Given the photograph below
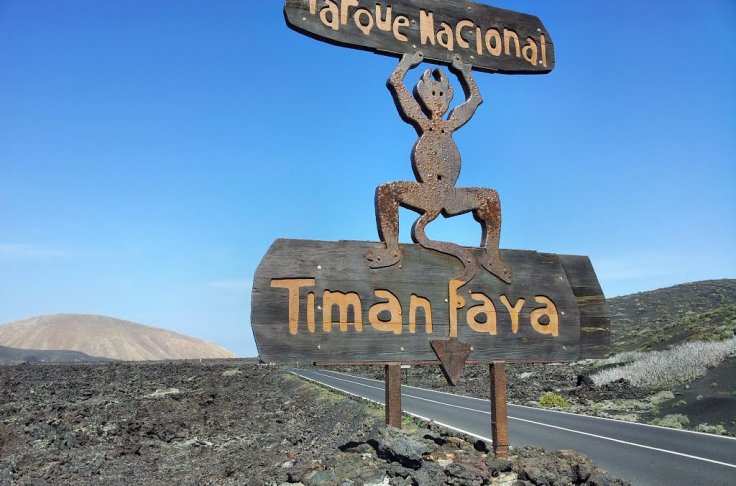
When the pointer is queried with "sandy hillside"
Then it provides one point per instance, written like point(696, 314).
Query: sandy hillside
point(105, 337)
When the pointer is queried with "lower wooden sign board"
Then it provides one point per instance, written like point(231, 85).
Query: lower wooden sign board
point(319, 301)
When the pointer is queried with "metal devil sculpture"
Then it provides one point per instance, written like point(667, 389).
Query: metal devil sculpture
point(436, 164)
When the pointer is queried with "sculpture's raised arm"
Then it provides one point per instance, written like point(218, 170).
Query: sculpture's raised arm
point(462, 113)
point(407, 106)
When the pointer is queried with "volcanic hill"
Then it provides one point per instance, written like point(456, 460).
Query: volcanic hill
point(696, 311)
point(105, 337)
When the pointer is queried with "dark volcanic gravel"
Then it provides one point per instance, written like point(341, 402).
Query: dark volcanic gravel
point(232, 422)
point(526, 383)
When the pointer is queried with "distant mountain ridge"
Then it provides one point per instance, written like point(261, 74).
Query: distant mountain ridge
point(105, 337)
point(704, 310)
point(17, 356)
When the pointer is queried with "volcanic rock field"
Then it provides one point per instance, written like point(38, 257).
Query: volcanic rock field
point(233, 422)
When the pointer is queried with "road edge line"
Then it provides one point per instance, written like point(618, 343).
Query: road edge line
point(682, 454)
point(557, 411)
point(403, 411)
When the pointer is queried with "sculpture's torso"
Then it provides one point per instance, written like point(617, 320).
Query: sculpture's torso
point(436, 158)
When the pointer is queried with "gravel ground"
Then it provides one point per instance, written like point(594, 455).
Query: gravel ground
point(525, 382)
point(233, 422)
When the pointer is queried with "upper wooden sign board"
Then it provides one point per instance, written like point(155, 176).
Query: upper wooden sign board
point(488, 38)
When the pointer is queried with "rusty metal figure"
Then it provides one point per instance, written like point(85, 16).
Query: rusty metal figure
point(436, 165)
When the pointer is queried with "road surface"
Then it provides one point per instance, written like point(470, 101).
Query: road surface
point(641, 454)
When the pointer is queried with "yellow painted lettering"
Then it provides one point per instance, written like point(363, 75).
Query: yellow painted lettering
point(552, 327)
point(486, 307)
point(343, 302)
point(543, 42)
point(392, 306)
point(508, 36)
point(368, 26)
point(293, 285)
point(426, 27)
point(479, 41)
point(457, 302)
point(312, 7)
point(381, 23)
point(530, 51)
point(345, 9)
point(514, 311)
point(494, 47)
point(446, 37)
point(459, 32)
point(330, 15)
point(400, 22)
point(416, 303)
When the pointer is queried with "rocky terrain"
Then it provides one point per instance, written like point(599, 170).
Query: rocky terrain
point(233, 422)
point(19, 356)
point(105, 337)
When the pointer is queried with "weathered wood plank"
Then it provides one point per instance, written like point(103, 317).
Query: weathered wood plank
point(317, 270)
point(488, 38)
point(595, 316)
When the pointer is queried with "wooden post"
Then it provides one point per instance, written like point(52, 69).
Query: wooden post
point(499, 414)
point(392, 374)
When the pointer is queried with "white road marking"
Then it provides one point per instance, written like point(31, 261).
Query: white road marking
point(403, 394)
point(426, 419)
point(670, 429)
point(639, 424)
point(712, 461)
point(628, 443)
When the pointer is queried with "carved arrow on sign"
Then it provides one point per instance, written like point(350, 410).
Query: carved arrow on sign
point(452, 354)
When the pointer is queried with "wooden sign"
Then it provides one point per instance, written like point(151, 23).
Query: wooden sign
point(320, 301)
point(488, 38)
point(435, 301)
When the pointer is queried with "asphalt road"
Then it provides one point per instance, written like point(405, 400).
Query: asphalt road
point(641, 454)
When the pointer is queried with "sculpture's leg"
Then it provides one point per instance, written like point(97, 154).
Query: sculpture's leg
point(388, 198)
point(486, 207)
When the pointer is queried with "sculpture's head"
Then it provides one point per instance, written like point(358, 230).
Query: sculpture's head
point(434, 91)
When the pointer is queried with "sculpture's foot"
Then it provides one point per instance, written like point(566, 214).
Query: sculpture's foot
point(385, 257)
point(497, 267)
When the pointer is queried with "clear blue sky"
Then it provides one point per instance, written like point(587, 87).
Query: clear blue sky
point(151, 151)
